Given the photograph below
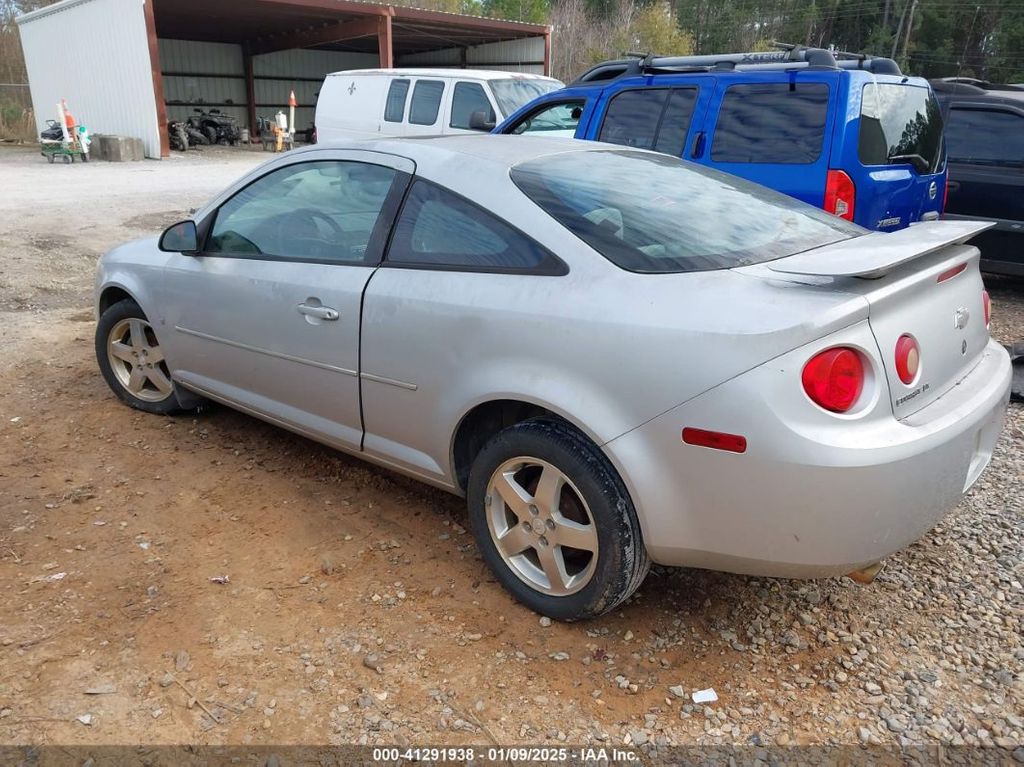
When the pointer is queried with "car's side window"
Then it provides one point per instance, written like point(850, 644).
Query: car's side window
point(559, 119)
point(394, 109)
point(325, 211)
point(985, 136)
point(439, 229)
point(650, 118)
point(771, 123)
point(426, 101)
point(467, 99)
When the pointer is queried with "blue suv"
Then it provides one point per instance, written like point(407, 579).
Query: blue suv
point(845, 132)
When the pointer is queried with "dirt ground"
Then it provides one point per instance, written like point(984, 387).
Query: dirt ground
point(354, 608)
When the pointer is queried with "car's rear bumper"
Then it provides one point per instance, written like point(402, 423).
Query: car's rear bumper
point(806, 500)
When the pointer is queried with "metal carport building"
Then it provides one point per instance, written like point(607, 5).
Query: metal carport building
point(127, 66)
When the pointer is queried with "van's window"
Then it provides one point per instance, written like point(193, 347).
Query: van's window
point(515, 92)
point(439, 228)
point(311, 211)
point(467, 99)
point(394, 110)
point(650, 118)
point(559, 119)
point(985, 137)
point(650, 212)
point(426, 100)
point(900, 125)
point(780, 123)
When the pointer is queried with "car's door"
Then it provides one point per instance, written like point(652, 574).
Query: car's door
point(668, 118)
point(985, 143)
point(565, 114)
point(266, 316)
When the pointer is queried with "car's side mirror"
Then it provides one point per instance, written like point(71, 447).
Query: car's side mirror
point(180, 238)
point(482, 119)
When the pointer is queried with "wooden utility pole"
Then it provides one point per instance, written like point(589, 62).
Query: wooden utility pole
point(910, 27)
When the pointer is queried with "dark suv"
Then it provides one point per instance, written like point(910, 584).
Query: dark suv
point(985, 143)
point(845, 132)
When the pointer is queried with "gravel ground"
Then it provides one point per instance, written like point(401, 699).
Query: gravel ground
point(357, 610)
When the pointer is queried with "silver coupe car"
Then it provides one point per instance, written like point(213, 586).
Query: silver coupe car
point(616, 356)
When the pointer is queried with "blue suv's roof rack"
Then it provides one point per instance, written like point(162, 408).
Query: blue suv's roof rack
point(789, 57)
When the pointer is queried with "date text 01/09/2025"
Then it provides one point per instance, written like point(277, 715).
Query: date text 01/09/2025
point(462, 754)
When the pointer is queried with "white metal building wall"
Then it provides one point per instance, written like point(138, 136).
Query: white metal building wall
point(525, 55)
point(94, 54)
point(190, 78)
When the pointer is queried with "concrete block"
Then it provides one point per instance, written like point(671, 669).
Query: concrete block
point(117, 148)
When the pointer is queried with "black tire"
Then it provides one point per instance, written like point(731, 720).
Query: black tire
point(211, 134)
point(152, 400)
point(622, 559)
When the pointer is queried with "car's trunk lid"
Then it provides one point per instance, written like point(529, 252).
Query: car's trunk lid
point(921, 281)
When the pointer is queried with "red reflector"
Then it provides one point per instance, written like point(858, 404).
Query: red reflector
point(908, 358)
point(839, 194)
point(834, 378)
point(718, 440)
point(986, 303)
point(950, 273)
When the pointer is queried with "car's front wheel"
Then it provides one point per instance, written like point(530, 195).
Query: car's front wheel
point(554, 522)
point(132, 361)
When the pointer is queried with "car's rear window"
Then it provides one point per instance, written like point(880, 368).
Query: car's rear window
point(648, 212)
point(900, 125)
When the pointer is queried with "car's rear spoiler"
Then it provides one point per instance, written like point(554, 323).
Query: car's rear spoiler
point(874, 254)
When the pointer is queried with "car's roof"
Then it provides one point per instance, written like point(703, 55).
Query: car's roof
point(499, 150)
point(461, 74)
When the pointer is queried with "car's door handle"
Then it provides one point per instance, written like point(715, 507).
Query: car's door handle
point(698, 146)
point(320, 312)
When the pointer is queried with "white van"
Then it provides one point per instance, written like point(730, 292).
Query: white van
point(361, 103)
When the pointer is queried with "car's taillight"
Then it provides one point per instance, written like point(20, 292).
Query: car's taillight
point(986, 304)
point(834, 378)
point(839, 194)
point(908, 358)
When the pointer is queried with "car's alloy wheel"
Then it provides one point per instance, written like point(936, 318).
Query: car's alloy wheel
point(541, 526)
point(132, 362)
point(554, 521)
point(137, 360)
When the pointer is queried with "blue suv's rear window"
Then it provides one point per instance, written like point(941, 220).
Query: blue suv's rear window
point(780, 123)
point(900, 124)
point(649, 212)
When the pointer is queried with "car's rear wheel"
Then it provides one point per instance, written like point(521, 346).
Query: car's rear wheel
point(554, 522)
point(132, 361)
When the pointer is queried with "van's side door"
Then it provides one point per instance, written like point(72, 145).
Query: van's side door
point(774, 132)
point(396, 106)
point(427, 107)
point(666, 118)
